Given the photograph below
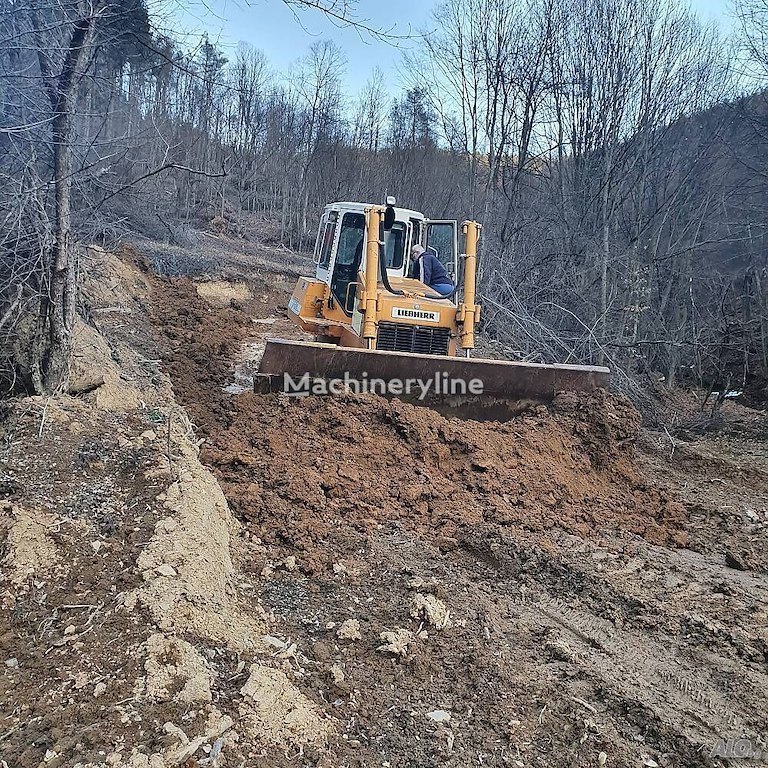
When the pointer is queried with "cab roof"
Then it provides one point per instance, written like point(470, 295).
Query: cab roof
point(400, 213)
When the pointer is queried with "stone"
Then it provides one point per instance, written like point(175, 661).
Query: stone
point(395, 641)
point(349, 630)
point(432, 610)
point(337, 674)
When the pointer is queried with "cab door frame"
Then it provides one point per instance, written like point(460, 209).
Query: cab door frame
point(324, 272)
point(453, 263)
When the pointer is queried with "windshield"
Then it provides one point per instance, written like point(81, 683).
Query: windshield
point(351, 242)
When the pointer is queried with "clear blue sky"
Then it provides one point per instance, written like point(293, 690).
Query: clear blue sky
point(286, 34)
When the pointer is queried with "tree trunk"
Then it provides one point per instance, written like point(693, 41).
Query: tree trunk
point(58, 308)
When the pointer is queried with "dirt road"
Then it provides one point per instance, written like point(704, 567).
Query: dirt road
point(563, 589)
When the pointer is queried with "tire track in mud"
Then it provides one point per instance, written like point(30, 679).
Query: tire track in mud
point(655, 675)
point(701, 696)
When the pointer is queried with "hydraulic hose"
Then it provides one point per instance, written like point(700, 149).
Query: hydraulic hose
point(383, 264)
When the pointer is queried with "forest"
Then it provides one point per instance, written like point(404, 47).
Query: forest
point(614, 150)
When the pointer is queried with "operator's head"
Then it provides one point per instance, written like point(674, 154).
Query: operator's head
point(416, 251)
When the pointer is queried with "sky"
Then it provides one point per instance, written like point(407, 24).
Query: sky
point(286, 34)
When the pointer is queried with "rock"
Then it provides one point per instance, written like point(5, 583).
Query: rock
point(96, 546)
point(148, 435)
point(740, 561)
point(70, 630)
point(395, 641)
point(12, 662)
point(176, 671)
point(350, 473)
point(166, 570)
point(279, 713)
point(176, 734)
point(218, 745)
point(602, 758)
point(139, 760)
point(274, 642)
point(339, 569)
point(349, 630)
point(432, 610)
point(560, 650)
point(216, 724)
point(649, 762)
point(439, 716)
point(322, 651)
point(289, 563)
point(98, 689)
point(337, 674)
point(182, 753)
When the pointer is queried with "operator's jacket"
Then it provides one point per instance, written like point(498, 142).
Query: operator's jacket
point(430, 271)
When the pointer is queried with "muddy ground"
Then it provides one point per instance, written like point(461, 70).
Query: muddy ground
point(379, 585)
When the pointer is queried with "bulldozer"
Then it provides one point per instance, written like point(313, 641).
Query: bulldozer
point(377, 328)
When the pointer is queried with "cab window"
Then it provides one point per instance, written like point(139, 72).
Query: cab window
point(348, 257)
point(351, 238)
point(394, 245)
point(326, 242)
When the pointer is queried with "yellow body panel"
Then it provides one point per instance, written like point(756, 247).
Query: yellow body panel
point(309, 309)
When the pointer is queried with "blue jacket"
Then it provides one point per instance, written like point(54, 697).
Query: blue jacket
point(432, 271)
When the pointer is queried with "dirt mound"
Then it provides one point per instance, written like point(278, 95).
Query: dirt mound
point(297, 469)
point(186, 565)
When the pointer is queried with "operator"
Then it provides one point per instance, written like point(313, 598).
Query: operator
point(430, 271)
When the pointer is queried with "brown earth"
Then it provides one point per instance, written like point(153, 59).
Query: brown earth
point(358, 462)
point(400, 588)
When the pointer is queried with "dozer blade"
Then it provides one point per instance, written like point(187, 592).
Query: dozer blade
point(480, 388)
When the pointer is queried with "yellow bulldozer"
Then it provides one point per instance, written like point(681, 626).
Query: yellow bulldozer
point(379, 330)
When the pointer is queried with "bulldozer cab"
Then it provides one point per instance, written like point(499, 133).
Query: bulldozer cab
point(342, 243)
